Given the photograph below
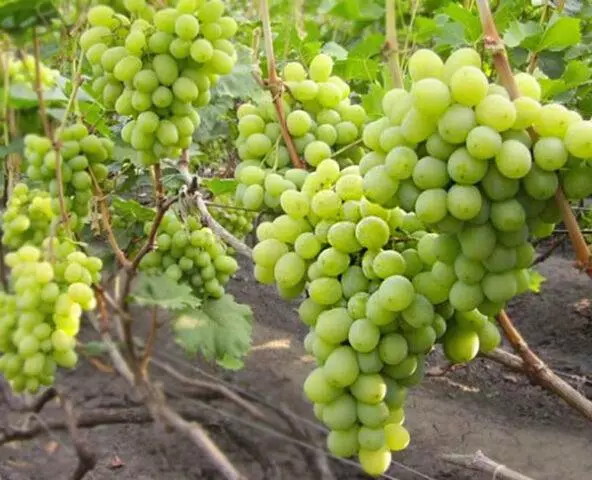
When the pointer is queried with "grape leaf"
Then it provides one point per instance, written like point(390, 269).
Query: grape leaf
point(15, 146)
point(130, 210)
point(162, 291)
point(220, 186)
point(562, 32)
point(21, 14)
point(220, 330)
point(372, 101)
point(536, 281)
point(464, 17)
point(521, 34)
point(334, 50)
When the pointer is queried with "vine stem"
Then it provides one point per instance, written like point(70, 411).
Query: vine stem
point(494, 43)
point(538, 370)
point(49, 131)
point(392, 44)
point(119, 254)
point(534, 366)
point(275, 85)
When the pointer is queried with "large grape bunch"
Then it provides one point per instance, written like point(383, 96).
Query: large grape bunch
point(377, 289)
point(479, 167)
point(23, 71)
point(40, 314)
point(321, 120)
point(157, 68)
point(236, 220)
point(190, 253)
point(80, 156)
point(28, 217)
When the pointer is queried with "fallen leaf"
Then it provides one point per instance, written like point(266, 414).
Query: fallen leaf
point(116, 462)
point(51, 447)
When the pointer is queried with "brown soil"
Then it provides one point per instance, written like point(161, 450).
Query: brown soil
point(481, 406)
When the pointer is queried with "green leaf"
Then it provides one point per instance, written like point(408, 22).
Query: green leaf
point(372, 101)
point(131, 210)
point(162, 291)
point(357, 68)
point(521, 34)
point(22, 14)
point(536, 281)
point(562, 32)
point(469, 21)
point(15, 146)
point(220, 186)
point(334, 50)
point(220, 330)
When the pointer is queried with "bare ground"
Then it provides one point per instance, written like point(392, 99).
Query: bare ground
point(482, 406)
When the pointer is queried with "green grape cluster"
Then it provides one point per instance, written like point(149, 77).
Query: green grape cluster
point(40, 315)
point(190, 253)
point(157, 68)
point(80, 155)
point(459, 155)
point(23, 71)
point(377, 300)
point(28, 217)
point(237, 221)
point(321, 120)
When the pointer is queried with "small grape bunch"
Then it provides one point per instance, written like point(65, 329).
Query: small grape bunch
point(27, 219)
point(237, 221)
point(23, 71)
point(190, 253)
point(321, 120)
point(40, 315)
point(80, 155)
point(158, 71)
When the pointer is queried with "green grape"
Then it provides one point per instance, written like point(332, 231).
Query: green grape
point(431, 96)
point(508, 215)
point(372, 232)
point(528, 85)
point(578, 139)
point(325, 291)
point(340, 414)
point(396, 293)
point(552, 121)
point(484, 142)
point(320, 68)
point(464, 202)
point(400, 162)
point(499, 287)
point(429, 172)
point(465, 169)
point(343, 443)
point(417, 126)
point(430, 205)
point(514, 160)
point(341, 368)
point(425, 64)
point(461, 346)
point(318, 389)
point(456, 124)
point(468, 85)
point(496, 112)
point(550, 153)
point(462, 57)
point(527, 111)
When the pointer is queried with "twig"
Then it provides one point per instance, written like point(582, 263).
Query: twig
point(160, 410)
point(540, 373)
point(149, 341)
point(275, 86)
point(87, 459)
point(206, 216)
point(549, 251)
point(578, 241)
point(481, 463)
point(494, 43)
point(392, 44)
point(216, 387)
point(359, 141)
point(105, 220)
point(38, 89)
